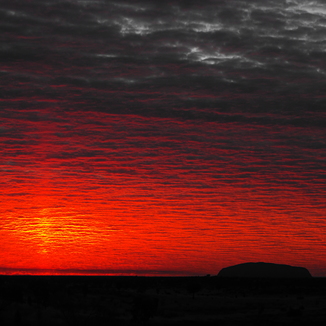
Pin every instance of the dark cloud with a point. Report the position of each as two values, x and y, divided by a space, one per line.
201 120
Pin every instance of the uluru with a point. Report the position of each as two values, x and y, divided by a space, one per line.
264 270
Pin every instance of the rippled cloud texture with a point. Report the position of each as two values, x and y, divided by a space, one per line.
173 137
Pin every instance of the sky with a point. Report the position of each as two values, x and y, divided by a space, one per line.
161 138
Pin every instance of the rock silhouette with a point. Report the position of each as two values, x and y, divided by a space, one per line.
264 270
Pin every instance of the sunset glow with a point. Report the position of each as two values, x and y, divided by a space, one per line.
126 148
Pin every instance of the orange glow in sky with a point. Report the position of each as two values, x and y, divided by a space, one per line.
161 138
150 209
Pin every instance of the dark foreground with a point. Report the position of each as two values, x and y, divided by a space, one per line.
81 300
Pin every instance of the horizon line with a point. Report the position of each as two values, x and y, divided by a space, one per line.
91 272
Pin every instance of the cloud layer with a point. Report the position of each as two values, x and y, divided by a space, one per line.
177 136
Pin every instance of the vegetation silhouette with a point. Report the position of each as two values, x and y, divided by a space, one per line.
102 301
144 308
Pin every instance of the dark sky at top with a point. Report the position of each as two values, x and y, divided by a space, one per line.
163 121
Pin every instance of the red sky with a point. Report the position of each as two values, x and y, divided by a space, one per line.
105 192
161 140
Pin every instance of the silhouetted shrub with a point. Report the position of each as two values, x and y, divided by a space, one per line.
144 308
193 287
